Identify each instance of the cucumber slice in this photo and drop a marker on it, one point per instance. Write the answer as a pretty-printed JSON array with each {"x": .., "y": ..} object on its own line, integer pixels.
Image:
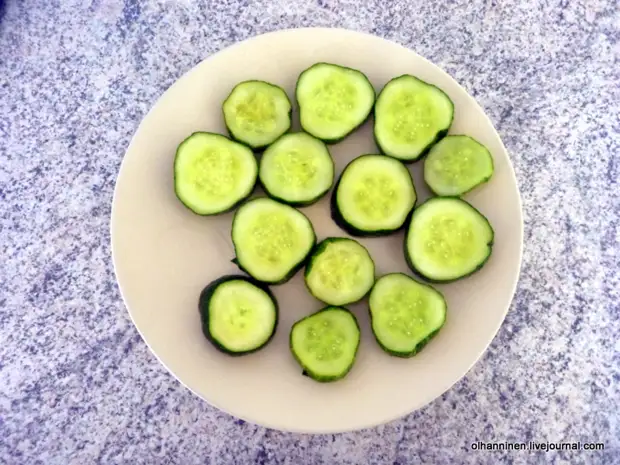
[
  {"x": 238, "y": 314},
  {"x": 456, "y": 165},
  {"x": 297, "y": 169},
  {"x": 410, "y": 116},
  {"x": 257, "y": 113},
  {"x": 405, "y": 314},
  {"x": 339, "y": 271},
  {"x": 272, "y": 240},
  {"x": 373, "y": 196},
  {"x": 448, "y": 239},
  {"x": 213, "y": 174},
  {"x": 333, "y": 100},
  {"x": 325, "y": 343}
]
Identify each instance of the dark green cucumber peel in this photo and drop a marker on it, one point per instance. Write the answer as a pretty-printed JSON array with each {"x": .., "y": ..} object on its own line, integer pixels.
[
  {"x": 421, "y": 275},
  {"x": 317, "y": 250},
  {"x": 306, "y": 371},
  {"x": 286, "y": 278},
  {"x": 440, "y": 134},
  {"x": 229, "y": 209},
  {"x": 203, "y": 309},
  {"x": 370, "y": 112},
  {"x": 256, "y": 148},
  {"x": 352, "y": 230}
]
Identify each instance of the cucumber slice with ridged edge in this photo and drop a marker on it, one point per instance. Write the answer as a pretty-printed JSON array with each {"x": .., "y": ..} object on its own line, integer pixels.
[
  {"x": 256, "y": 113},
  {"x": 447, "y": 239},
  {"x": 410, "y": 116},
  {"x": 405, "y": 314},
  {"x": 325, "y": 343},
  {"x": 333, "y": 100},
  {"x": 238, "y": 314},
  {"x": 296, "y": 169},
  {"x": 374, "y": 196},
  {"x": 456, "y": 165},
  {"x": 213, "y": 174},
  {"x": 272, "y": 240},
  {"x": 339, "y": 271}
]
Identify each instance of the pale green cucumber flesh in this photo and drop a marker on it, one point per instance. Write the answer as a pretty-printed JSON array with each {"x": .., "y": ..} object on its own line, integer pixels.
[
  {"x": 325, "y": 343},
  {"x": 256, "y": 113},
  {"x": 410, "y": 116},
  {"x": 447, "y": 239},
  {"x": 271, "y": 239},
  {"x": 296, "y": 169},
  {"x": 456, "y": 165},
  {"x": 212, "y": 174},
  {"x": 405, "y": 314},
  {"x": 333, "y": 100},
  {"x": 375, "y": 193},
  {"x": 238, "y": 314},
  {"x": 340, "y": 271}
]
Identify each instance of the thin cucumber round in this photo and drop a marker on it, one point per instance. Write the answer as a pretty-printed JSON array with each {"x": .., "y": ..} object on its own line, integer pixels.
[
  {"x": 297, "y": 169},
  {"x": 325, "y": 343},
  {"x": 447, "y": 239},
  {"x": 213, "y": 174},
  {"x": 239, "y": 315},
  {"x": 405, "y": 314},
  {"x": 340, "y": 271},
  {"x": 257, "y": 113},
  {"x": 272, "y": 240},
  {"x": 373, "y": 196},
  {"x": 410, "y": 116},
  {"x": 333, "y": 100},
  {"x": 456, "y": 165}
]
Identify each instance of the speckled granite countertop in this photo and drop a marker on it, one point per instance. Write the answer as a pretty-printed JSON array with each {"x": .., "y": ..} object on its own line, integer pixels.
[{"x": 78, "y": 385}]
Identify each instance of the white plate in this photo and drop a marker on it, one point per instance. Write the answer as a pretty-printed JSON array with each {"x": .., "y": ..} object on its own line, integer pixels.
[{"x": 164, "y": 255}]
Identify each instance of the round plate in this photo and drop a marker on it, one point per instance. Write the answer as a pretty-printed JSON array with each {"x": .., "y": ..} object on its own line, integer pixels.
[{"x": 164, "y": 254}]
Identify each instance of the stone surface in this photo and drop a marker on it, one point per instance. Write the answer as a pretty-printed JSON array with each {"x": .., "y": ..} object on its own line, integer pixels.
[{"x": 78, "y": 385}]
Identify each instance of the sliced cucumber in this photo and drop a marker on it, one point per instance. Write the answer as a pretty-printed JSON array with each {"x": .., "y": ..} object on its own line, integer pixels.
[
  {"x": 257, "y": 113},
  {"x": 238, "y": 314},
  {"x": 272, "y": 240},
  {"x": 405, "y": 314},
  {"x": 213, "y": 174},
  {"x": 339, "y": 271},
  {"x": 325, "y": 343},
  {"x": 373, "y": 197},
  {"x": 410, "y": 116},
  {"x": 447, "y": 239},
  {"x": 333, "y": 100},
  {"x": 297, "y": 169},
  {"x": 456, "y": 165}
]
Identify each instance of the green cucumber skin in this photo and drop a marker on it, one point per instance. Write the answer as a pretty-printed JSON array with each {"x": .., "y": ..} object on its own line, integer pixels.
[
  {"x": 370, "y": 112},
  {"x": 320, "y": 247},
  {"x": 352, "y": 230},
  {"x": 305, "y": 203},
  {"x": 416, "y": 350},
  {"x": 257, "y": 148},
  {"x": 232, "y": 207},
  {"x": 203, "y": 309},
  {"x": 307, "y": 371},
  {"x": 293, "y": 270},
  {"x": 483, "y": 181},
  {"x": 445, "y": 281},
  {"x": 440, "y": 134}
]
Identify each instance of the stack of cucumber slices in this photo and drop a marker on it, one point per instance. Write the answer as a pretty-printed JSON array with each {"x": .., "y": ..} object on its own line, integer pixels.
[{"x": 446, "y": 238}]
